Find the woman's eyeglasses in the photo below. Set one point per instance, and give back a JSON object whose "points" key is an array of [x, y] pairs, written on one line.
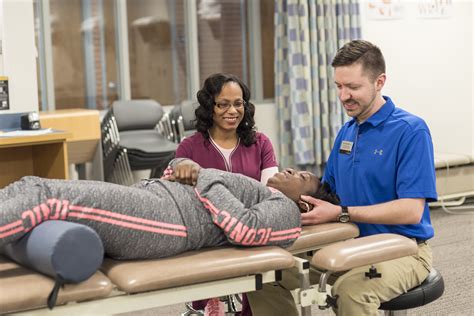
{"points": [[224, 106]]}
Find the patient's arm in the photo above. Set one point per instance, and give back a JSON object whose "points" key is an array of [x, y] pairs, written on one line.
{"points": [[249, 213]]}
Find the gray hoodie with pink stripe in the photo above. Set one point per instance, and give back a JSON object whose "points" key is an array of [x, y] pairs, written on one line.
{"points": [[155, 218]]}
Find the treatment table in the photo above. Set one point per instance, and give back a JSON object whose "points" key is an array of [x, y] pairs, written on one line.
{"points": [[125, 286]]}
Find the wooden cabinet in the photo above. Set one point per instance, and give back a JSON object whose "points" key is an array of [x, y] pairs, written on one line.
{"points": [[41, 155], [84, 145]]}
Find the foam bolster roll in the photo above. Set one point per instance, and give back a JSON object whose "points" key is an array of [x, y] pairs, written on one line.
{"points": [[65, 251]]}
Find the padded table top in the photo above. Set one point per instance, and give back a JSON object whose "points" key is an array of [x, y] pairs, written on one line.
{"points": [[195, 267], [23, 289], [317, 236], [443, 160]]}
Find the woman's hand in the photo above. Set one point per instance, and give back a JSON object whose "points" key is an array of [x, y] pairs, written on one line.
{"points": [[186, 172]]}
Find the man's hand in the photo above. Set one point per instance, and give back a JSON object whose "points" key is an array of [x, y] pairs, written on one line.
{"points": [[186, 172], [322, 212]]}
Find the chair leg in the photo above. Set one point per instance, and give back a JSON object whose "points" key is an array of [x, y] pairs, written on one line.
{"points": [[231, 304], [191, 311]]}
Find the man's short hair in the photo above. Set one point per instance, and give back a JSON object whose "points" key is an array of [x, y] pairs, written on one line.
{"points": [[363, 52]]}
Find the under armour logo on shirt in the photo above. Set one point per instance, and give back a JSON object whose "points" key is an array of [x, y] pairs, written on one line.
{"points": [[378, 152]]}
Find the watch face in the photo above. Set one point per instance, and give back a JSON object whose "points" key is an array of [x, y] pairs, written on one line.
{"points": [[343, 218]]}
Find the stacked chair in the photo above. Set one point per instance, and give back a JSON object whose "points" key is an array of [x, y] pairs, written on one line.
{"points": [[185, 118], [146, 147], [179, 123], [131, 127], [116, 164], [168, 128]]}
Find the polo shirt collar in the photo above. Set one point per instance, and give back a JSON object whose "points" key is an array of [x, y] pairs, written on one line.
{"points": [[381, 115]]}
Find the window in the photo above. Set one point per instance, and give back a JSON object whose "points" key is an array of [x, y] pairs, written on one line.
{"points": [[168, 58], [157, 50], [82, 52], [222, 38]]}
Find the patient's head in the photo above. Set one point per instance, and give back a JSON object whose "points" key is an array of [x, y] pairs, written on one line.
{"points": [[294, 183]]}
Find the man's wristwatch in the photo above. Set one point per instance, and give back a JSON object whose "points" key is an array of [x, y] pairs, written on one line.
{"points": [[344, 216]]}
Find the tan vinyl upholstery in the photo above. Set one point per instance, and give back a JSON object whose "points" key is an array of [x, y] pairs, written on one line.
{"points": [[24, 289], [317, 236], [195, 274], [362, 251], [195, 267], [442, 160]]}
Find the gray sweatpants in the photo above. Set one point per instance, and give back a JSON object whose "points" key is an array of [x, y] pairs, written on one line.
{"points": [[155, 218], [127, 219]]}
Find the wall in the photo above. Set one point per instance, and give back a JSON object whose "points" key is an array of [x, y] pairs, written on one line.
{"points": [[430, 73], [19, 50], [429, 69], [263, 114]]}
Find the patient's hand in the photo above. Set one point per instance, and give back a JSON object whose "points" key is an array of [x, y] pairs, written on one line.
{"points": [[322, 212], [186, 172]]}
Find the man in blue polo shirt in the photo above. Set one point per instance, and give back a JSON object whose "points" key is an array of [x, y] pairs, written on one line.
{"points": [[382, 168]]}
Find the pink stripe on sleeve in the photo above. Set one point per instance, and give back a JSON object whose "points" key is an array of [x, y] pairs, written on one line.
{"points": [[207, 203]]}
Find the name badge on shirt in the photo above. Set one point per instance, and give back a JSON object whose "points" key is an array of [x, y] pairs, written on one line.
{"points": [[346, 147]]}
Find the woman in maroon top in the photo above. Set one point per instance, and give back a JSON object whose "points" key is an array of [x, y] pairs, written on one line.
{"points": [[226, 138]]}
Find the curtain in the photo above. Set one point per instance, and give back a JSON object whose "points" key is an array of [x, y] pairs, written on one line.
{"points": [[307, 36]]}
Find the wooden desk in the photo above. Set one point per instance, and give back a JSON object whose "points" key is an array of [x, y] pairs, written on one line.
{"points": [[84, 145], [42, 155]]}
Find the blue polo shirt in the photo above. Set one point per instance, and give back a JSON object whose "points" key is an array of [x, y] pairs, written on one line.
{"points": [[387, 157]]}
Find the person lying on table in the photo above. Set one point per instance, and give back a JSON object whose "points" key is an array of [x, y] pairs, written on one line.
{"points": [[157, 218]]}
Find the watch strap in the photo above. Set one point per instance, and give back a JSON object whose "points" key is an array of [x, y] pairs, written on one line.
{"points": [[344, 215], [345, 210]]}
